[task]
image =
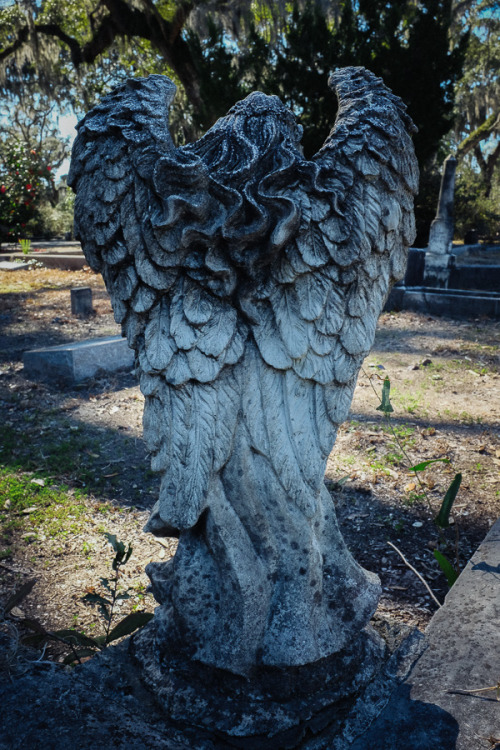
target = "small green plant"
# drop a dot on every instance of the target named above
(413, 498)
(80, 644)
(25, 246)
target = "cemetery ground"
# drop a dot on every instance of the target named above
(73, 466)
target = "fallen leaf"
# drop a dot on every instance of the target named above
(39, 482)
(410, 487)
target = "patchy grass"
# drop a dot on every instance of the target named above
(38, 509)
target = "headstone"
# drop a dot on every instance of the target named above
(441, 232)
(438, 259)
(81, 301)
(249, 281)
(77, 361)
(471, 237)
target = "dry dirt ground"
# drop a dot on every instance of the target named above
(73, 465)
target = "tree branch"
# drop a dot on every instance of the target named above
(122, 20)
(22, 38)
(480, 134)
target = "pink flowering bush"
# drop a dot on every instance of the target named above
(23, 177)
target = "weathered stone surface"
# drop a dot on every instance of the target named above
(437, 269)
(72, 363)
(420, 705)
(455, 303)
(270, 708)
(464, 649)
(441, 232)
(81, 301)
(99, 705)
(6, 265)
(415, 267)
(73, 261)
(104, 703)
(249, 281)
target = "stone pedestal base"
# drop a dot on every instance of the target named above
(273, 708)
(437, 269)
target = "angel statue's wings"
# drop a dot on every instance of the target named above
(248, 280)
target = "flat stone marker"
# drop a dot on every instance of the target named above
(81, 301)
(72, 363)
(71, 261)
(8, 265)
(432, 708)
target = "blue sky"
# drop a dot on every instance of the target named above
(67, 127)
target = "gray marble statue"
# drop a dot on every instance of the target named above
(249, 281)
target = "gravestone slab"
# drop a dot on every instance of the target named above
(81, 301)
(463, 655)
(10, 265)
(454, 303)
(72, 261)
(77, 361)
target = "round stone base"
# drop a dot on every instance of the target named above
(272, 708)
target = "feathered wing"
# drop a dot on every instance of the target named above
(316, 314)
(181, 338)
(171, 238)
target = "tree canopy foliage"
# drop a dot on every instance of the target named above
(218, 51)
(478, 91)
(476, 133)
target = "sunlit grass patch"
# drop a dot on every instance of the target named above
(30, 504)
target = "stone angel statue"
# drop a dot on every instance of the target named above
(248, 280)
